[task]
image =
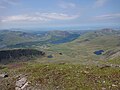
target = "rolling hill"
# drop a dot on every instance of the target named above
(82, 49)
(75, 48)
(13, 37)
(18, 39)
(73, 65)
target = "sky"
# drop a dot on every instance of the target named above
(59, 13)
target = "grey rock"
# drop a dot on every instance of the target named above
(3, 75)
(24, 86)
(17, 88)
(104, 66)
(103, 88)
(21, 82)
(113, 85)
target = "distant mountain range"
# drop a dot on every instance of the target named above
(24, 39)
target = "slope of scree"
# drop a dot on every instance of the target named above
(6, 55)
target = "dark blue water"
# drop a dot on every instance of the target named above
(66, 39)
(99, 52)
(50, 56)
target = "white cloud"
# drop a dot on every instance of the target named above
(59, 16)
(108, 16)
(39, 17)
(5, 3)
(100, 3)
(22, 18)
(66, 5)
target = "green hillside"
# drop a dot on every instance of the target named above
(19, 39)
(78, 50)
(67, 66)
(82, 49)
(14, 37)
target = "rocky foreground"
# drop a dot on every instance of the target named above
(61, 76)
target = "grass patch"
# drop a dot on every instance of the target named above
(72, 76)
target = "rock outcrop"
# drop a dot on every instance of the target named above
(21, 84)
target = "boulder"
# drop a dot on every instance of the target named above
(22, 84)
(3, 75)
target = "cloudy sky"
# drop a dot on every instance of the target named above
(58, 13)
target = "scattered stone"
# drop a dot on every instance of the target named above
(103, 88)
(19, 76)
(22, 84)
(113, 85)
(104, 66)
(57, 87)
(85, 72)
(3, 75)
(117, 66)
(109, 86)
(17, 88)
(87, 67)
(111, 65)
(103, 81)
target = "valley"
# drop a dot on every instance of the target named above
(59, 44)
(69, 60)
